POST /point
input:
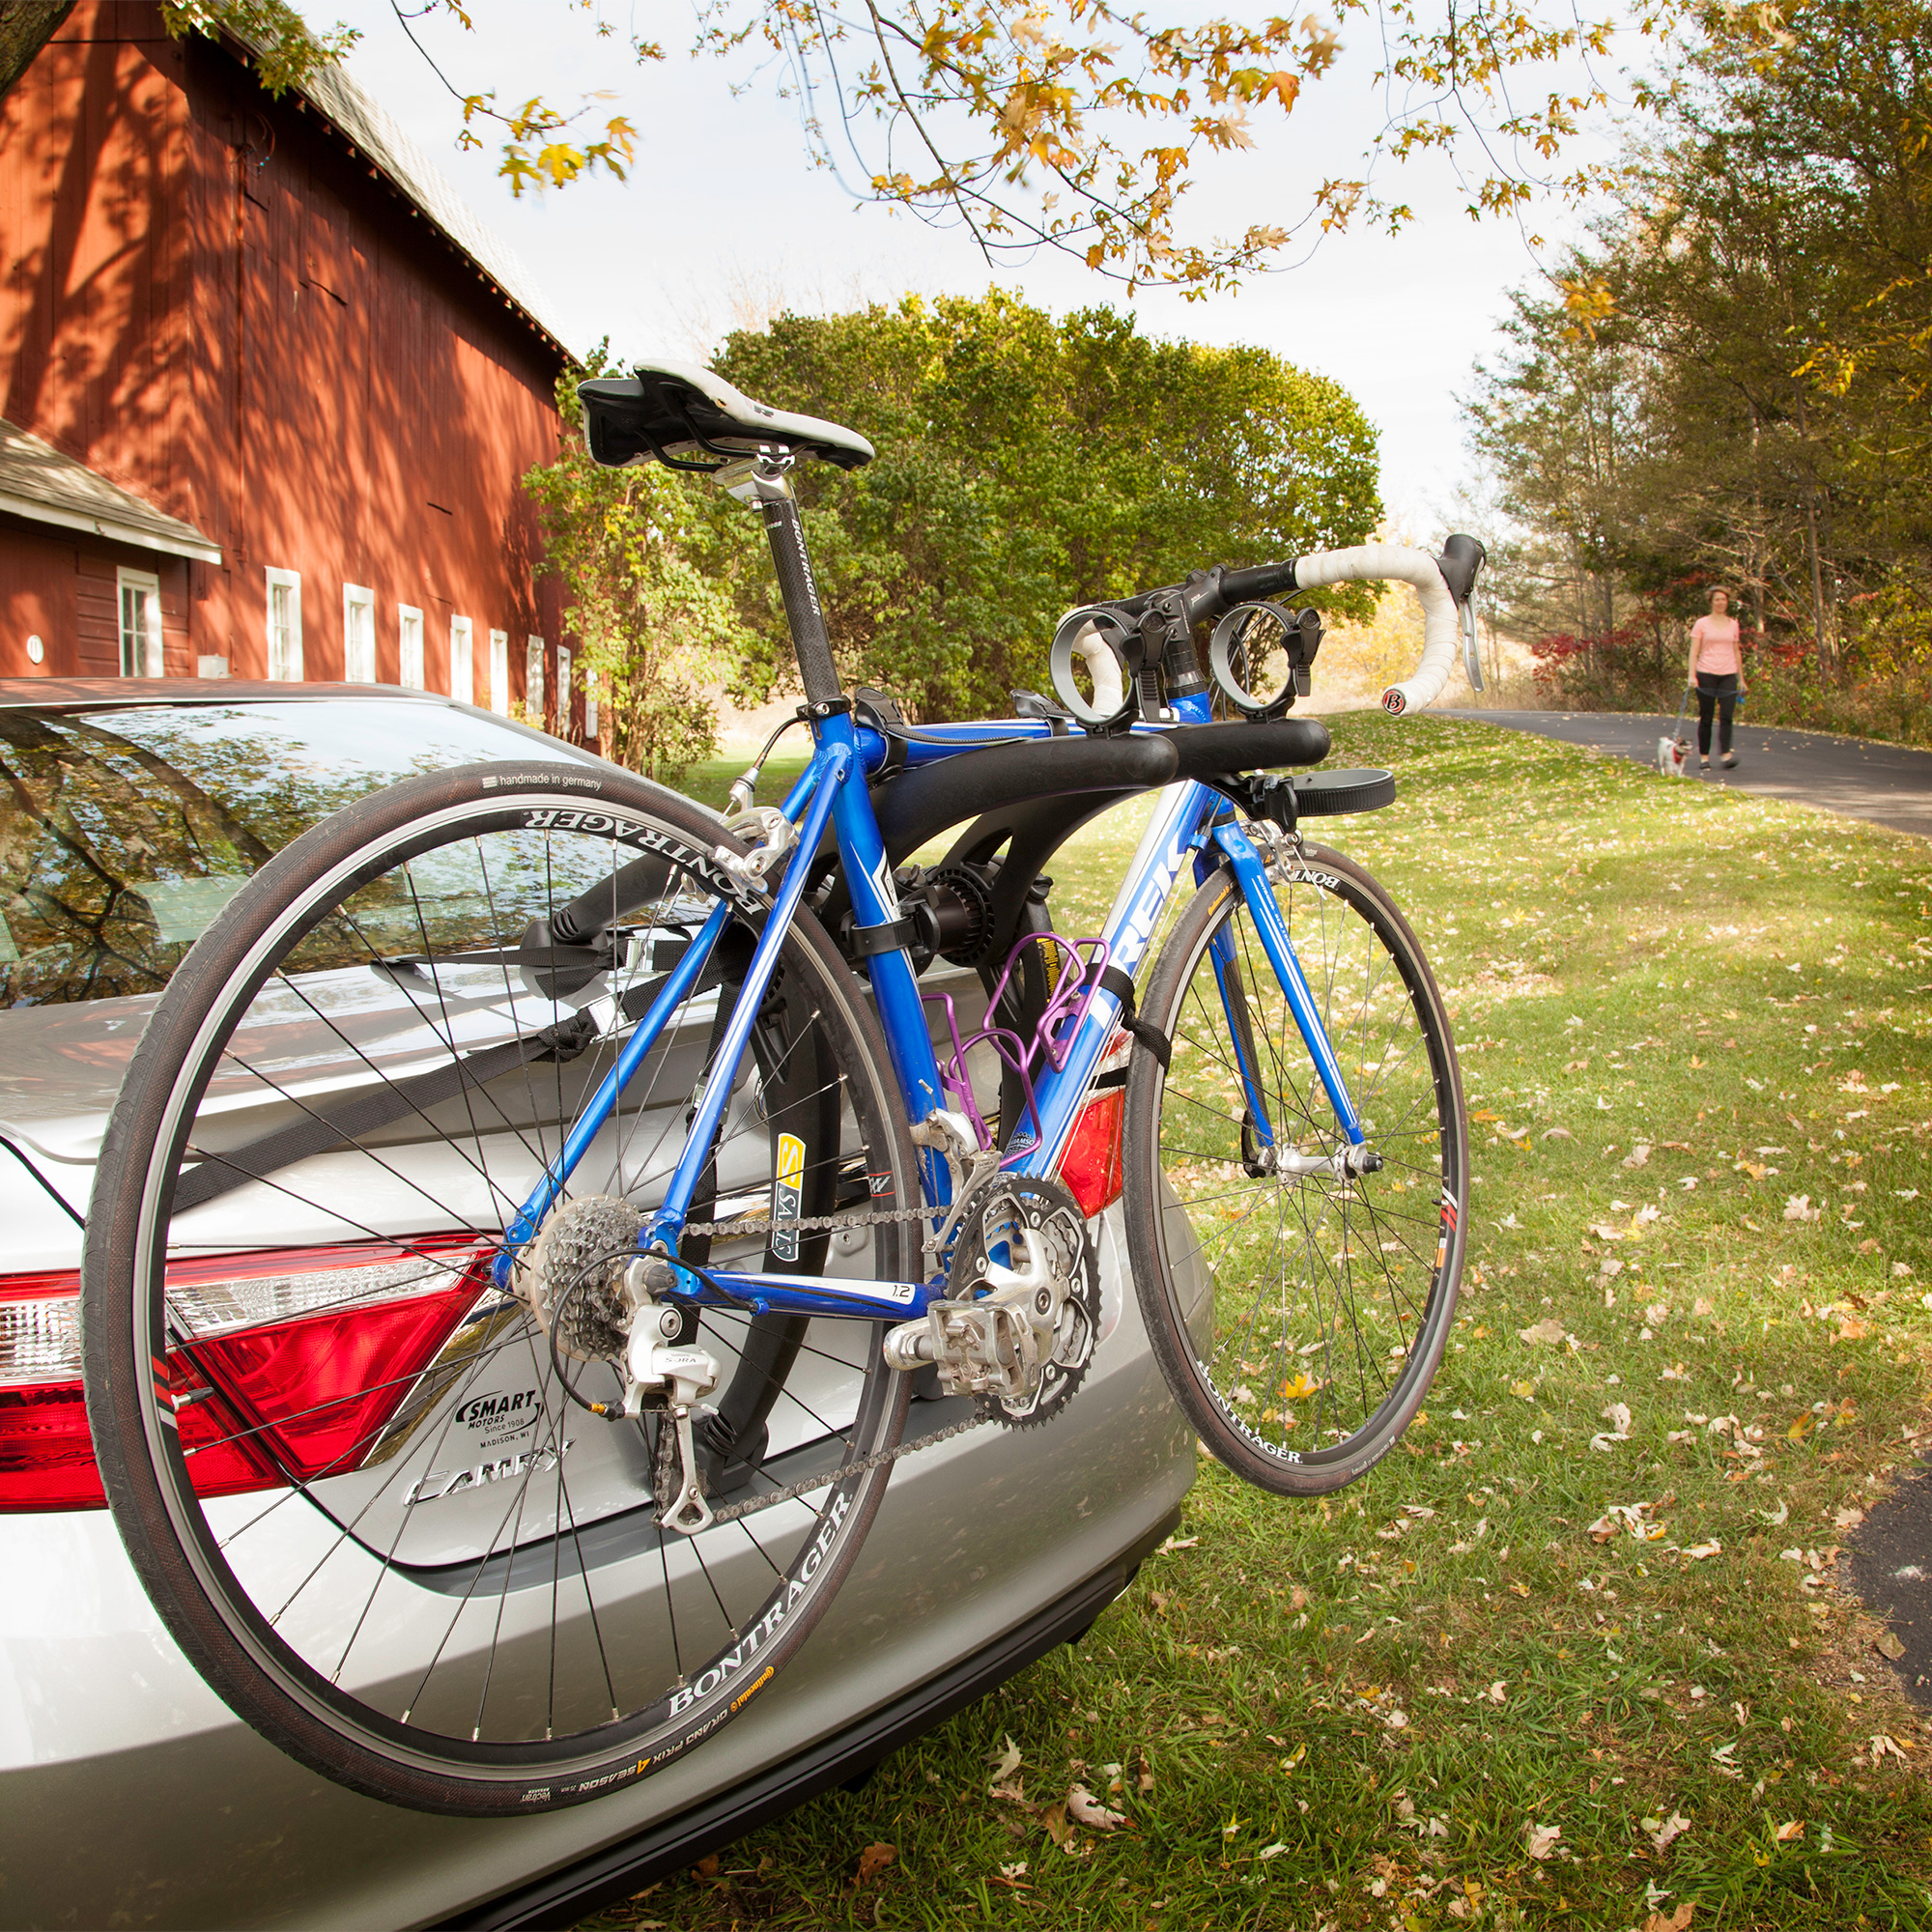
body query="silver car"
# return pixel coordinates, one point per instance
(131, 1795)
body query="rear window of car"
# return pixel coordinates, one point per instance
(123, 831)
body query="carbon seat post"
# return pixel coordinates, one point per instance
(765, 481)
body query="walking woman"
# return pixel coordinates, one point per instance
(1717, 677)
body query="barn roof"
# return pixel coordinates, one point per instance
(41, 484)
(368, 129)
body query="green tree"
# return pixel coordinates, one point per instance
(646, 596)
(1028, 465)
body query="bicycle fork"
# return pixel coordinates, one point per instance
(1261, 1150)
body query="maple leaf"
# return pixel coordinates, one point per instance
(1089, 1810)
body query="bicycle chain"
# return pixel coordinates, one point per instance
(812, 1223)
(865, 1466)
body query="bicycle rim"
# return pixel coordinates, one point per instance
(356, 1474)
(1298, 1318)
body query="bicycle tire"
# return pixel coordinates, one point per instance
(292, 997)
(1235, 1318)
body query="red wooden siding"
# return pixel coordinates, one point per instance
(216, 303)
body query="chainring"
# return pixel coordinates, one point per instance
(990, 1224)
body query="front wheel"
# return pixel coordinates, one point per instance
(1297, 1316)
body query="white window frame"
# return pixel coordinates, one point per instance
(462, 659)
(499, 672)
(535, 653)
(144, 636)
(590, 704)
(286, 664)
(563, 690)
(358, 654)
(410, 667)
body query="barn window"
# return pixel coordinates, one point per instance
(590, 704)
(285, 626)
(462, 661)
(140, 623)
(499, 672)
(410, 646)
(358, 633)
(562, 691)
(533, 682)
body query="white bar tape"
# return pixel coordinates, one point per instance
(1441, 629)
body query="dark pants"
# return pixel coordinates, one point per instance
(1717, 690)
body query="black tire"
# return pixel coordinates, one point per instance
(512, 1631)
(1244, 1287)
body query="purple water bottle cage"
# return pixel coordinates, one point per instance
(1073, 989)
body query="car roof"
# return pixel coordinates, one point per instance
(119, 694)
(77, 693)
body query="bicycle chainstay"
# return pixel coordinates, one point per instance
(831, 1224)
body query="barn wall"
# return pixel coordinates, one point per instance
(220, 308)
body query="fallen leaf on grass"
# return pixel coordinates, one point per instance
(1004, 1762)
(1666, 1832)
(1798, 1207)
(1063, 1834)
(1273, 1851)
(873, 1859)
(1676, 1922)
(1699, 1551)
(1011, 1876)
(1540, 1840)
(1848, 1517)
(1526, 1390)
(1083, 1807)
(1793, 1828)
(1887, 1646)
(1545, 1333)
(1883, 1746)
(1179, 1542)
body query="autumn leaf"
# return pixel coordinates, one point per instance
(1666, 1832)
(1540, 1842)
(1087, 1810)
(1545, 1333)
(1792, 1829)
(873, 1859)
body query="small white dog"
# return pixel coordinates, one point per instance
(1673, 757)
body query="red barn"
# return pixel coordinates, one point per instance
(266, 387)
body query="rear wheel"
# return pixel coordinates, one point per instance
(360, 1479)
(1297, 1316)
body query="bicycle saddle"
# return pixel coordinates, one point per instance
(687, 418)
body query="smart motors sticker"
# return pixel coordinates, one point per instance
(788, 1197)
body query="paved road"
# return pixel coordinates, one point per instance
(1890, 785)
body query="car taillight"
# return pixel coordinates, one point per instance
(299, 1360)
(1090, 1167)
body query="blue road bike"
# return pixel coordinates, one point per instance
(541, 1213)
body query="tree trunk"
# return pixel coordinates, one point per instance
(26, 26)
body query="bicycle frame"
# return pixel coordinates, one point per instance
(1190, 822)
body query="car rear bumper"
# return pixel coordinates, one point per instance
(131, 1795)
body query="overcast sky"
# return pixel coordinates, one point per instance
(723, 200)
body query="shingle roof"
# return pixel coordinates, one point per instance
(38, 482)
(368, 128)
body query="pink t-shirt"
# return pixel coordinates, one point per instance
(1716, 642)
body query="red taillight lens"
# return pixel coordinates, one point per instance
(1089, 1170)
(302, 1358)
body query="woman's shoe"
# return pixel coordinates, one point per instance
(1730, 759)
(1703, 764)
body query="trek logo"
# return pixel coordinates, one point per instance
(788, 1197)
(1137, 929)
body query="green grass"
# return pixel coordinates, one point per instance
(1354, 1712)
